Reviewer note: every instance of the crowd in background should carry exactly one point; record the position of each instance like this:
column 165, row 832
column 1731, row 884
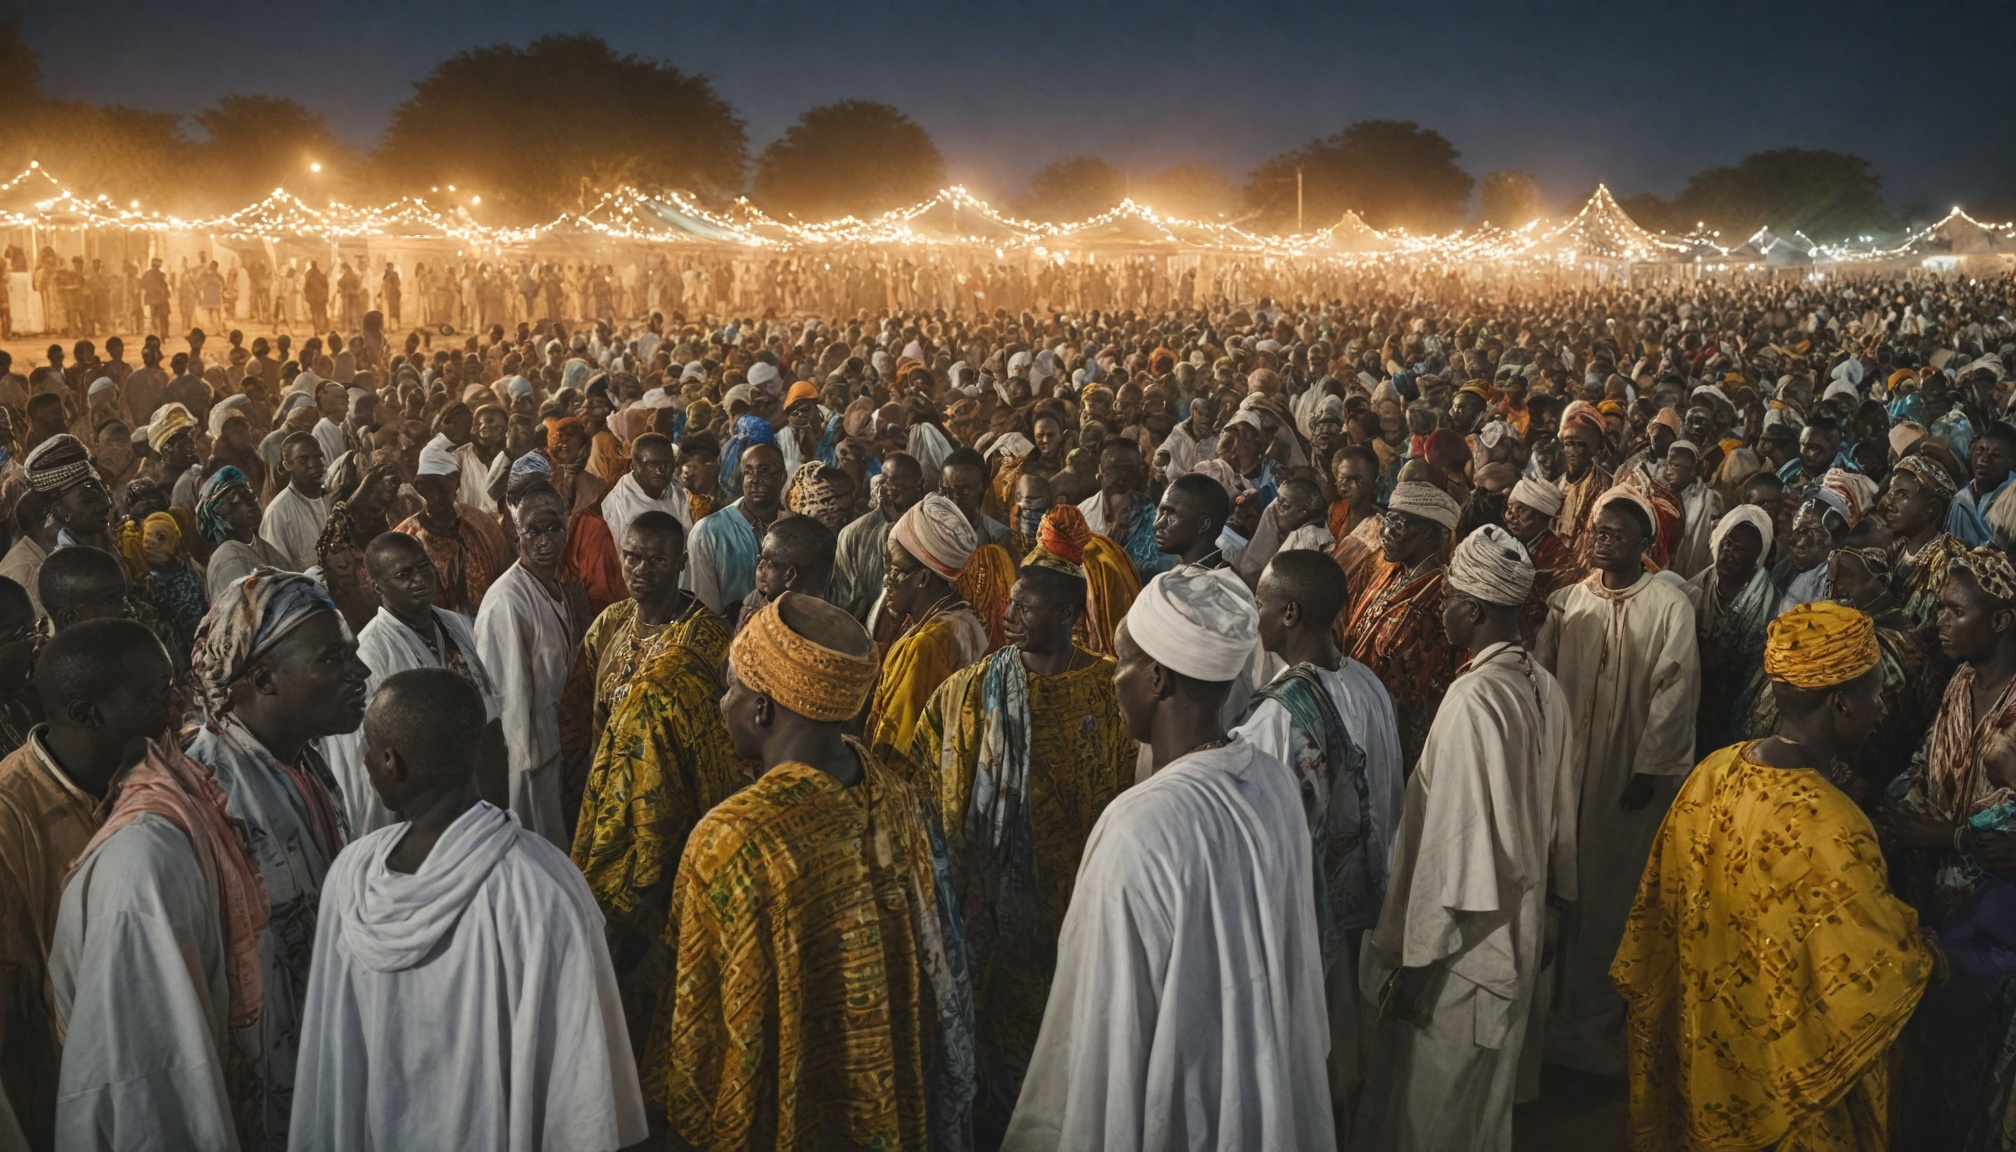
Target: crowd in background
column 1488, row 570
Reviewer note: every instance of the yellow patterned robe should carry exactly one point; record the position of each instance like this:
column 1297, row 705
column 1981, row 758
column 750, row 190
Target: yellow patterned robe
column 664, row 759
column 1110, row 588
column 913, row 668
column 802, row 1012
column 1768, row 969
column 1079, row 759
column 611, row 652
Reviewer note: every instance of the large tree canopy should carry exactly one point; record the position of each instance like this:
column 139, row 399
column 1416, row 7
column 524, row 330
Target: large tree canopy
column 854, row 158
column 1509, row 199
column 253, row 144
column 1827, row 195
column 1070, row 190
column 1191, row 191
column 546, row 127
column 1390, row 172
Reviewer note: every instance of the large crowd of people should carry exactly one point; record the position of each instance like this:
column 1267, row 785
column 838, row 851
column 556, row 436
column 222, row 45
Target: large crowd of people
column 1184, row 719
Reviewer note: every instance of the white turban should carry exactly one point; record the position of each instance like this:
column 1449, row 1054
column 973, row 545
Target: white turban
column 1426, row 501
column 1195, row 622
column 239, row 405
column 1749, row 514
column 938, row 534
column 1012, row 445
column 763, row 374
column 437, row 458
column 694, row 370
column 1491, row 565
column 656, row 398
column 1543, row 496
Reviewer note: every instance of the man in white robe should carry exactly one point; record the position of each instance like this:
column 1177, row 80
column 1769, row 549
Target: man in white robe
column 461, row 994
column 525, row 636
column 1454, row 965
column 1344, row 748
column 1701, row 507
column 1622, row 645
column 651, row 485
column 1182, row 1015
column 408, row 632
column 151, row 965
column 293, row 521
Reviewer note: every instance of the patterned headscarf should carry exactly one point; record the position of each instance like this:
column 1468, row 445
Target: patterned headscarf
column 1820, row 645
column 58, row 464
column 938, row 534
column 1928, row 472
column 169, row 419
column 810, row 493
column 1060, row 542
column 210, row 503
column 248, row 619
column 1992, row 570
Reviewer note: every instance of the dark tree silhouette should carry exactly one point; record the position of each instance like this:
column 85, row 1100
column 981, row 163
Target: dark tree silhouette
column 1827, row 195
column 253, row 144
column 854, row 158
column 547, row 127
column 1072, row 189
column 1390, row 172
column 1509, row 199
column 1193, row 191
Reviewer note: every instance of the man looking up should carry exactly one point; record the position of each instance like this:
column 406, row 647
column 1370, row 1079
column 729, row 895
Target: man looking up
column 1622, row 644
column 1489, row 822
column 105, row 685
column 461, row 994
column 1168, row 1020
column 1331, row 722
column 164, row 919
column 807, row 917
column 1018, row 754
column 410, row 630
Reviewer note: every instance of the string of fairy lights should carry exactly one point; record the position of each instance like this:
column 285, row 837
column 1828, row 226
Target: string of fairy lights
column 956, row 221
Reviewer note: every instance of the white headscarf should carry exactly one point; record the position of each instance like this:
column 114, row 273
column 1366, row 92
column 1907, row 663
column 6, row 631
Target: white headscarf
column 437, row 457
column 1749, row 514
column 1491, row 565
column 1196, row 622
column 1543, row 496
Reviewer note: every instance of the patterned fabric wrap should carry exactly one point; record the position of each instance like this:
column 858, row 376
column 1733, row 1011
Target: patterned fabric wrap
column 245, row 623
column 998, row 822
column 210, row 503
column 1349, row 888
column 809, row 679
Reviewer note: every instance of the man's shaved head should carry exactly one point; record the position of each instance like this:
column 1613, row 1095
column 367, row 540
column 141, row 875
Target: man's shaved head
column 1312, row 580
column 1207, row 496
column 432, row 717
column 81, row 583
column 805, row 543
column 91, row 659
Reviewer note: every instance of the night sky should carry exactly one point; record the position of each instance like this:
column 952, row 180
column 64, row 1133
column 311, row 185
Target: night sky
column 1638, row 94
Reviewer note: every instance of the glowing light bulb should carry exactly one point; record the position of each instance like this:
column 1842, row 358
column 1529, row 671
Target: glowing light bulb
column 315, row 167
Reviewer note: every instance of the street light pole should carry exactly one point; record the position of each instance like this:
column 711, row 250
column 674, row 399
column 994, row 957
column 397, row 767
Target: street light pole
column 1298, row 199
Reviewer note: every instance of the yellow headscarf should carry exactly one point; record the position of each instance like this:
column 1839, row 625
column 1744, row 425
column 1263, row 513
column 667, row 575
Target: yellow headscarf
column 1820, row 645
column 133, row 539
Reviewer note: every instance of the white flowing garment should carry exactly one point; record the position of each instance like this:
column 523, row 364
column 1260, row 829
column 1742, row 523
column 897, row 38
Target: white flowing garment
column 1490, row 815
column 626, row 501
column 292, row 524
column 468, row 1005
column 387, row 646
column 141, row 987
column 1182, row 1015
column 524, row 636
column 1702, row 507
column 1630, row 667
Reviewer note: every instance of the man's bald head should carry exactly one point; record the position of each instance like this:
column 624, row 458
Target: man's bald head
column 1206, row 495
column 80, row 583
column 93, row 659
column 432, row 719
column 904, row 465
